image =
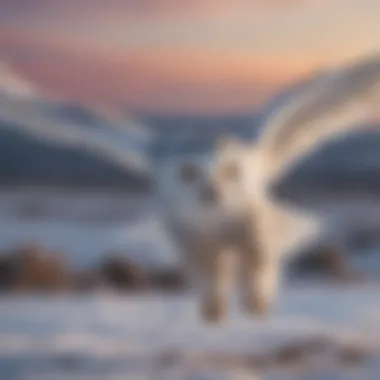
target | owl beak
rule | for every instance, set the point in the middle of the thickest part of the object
(209, 194)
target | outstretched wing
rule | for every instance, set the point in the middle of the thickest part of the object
(326, 107)
(127, 147)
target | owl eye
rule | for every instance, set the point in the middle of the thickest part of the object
(230, 172)
(188, 172)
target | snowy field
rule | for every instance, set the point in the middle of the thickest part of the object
(70, 205)
(318, 332)
(160, 337)
(85, 226)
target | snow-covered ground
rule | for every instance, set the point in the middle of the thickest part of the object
(70, 205)
(84, 245)
(108, 337)
(84, 226)
(160, 337)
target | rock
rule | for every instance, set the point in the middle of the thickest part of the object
(352, 355)
(170, 279)
(322, 260)
(122, 274)
(38, 270)
(301, 353)
(7, 271)
(290, 354)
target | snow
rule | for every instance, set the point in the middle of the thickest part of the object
(84, 244)
(84, 226)
(158, 336)
(113, 337)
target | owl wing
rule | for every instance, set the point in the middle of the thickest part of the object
(325, 107)
(127, 147)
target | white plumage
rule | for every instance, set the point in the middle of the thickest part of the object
(328, 107)
(204, 211)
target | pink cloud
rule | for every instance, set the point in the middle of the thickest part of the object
(33, 8)
(168, 81)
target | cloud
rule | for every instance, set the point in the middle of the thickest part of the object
(283, 27)
(162, 80)
(19, 8)
(168, 54)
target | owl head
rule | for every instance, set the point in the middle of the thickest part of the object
(208, 182)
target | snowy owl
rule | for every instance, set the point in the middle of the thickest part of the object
(200, 195)
(224, 197)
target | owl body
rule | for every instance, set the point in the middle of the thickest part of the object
(205, 212)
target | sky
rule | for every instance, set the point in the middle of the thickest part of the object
(182, 56)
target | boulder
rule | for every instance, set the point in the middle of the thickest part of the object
(168, 279)
(325, 260)
(34, 269)
(122, 274)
